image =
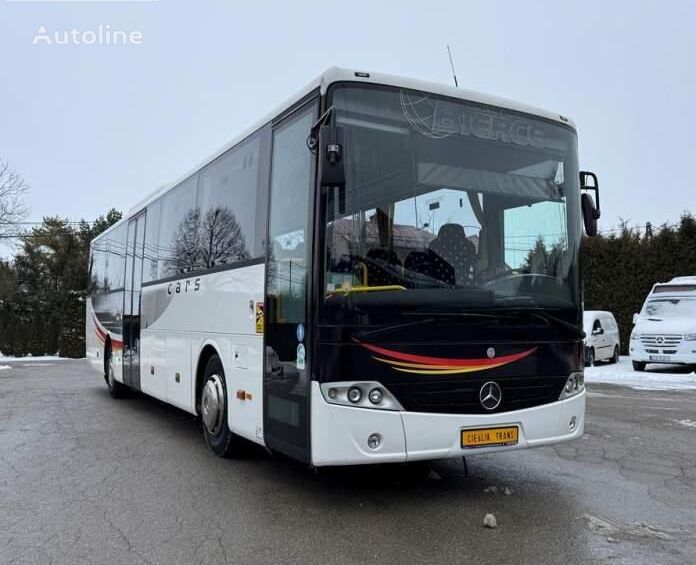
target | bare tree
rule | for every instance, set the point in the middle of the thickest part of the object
(203, 241)
(12, 191)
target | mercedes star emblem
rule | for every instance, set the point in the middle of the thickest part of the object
(490, 395)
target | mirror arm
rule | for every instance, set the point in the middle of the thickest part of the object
(313, 137)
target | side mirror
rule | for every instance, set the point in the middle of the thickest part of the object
(588, 215)
(590, 212)
(635, 319)
(331, 164)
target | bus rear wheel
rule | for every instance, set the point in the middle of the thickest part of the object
(218, 436)
(116, 389)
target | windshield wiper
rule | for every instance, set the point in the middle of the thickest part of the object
(454, 314)
(395, 327)
(550, 319)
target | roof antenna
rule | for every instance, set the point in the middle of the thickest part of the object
(449, 53)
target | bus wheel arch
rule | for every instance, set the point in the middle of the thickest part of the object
(207, 353)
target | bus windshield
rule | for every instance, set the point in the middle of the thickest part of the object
(449, 205)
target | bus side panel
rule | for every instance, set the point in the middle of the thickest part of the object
(219, 309)
(153, 355)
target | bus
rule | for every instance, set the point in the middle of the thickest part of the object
(381, 270)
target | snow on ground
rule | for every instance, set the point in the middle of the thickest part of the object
(4, 367)
(687, 423)
(30, 359)
(655, 377)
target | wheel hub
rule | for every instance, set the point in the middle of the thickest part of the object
(213, 404)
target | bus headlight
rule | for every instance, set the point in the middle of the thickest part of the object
(363, 394)
(574, 385)
(635, 336)
(354, 394)
(689, 337)
(375, 395)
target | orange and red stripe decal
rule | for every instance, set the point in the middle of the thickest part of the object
(423, 364)
(102, 334)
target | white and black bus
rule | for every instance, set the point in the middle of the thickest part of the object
(382, 270)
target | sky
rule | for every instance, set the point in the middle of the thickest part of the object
(95, 126)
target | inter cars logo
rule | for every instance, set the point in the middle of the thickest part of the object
(425, 365)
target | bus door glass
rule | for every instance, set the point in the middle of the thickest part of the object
(286, 380)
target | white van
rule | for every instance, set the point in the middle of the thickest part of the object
(602, 341)
(665, 329)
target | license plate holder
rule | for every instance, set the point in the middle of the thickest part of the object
(475, 438)
(659, 358)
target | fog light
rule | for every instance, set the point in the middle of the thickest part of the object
(375, 396)
(374, 441)
(573, 422)
(354, 394)
(333, 393)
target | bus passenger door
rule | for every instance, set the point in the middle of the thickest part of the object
(131, 307)
(286, 372)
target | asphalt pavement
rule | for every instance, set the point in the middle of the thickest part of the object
(88, 479)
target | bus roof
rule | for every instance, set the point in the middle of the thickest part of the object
(336, 74)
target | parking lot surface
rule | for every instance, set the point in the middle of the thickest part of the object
(88, 479)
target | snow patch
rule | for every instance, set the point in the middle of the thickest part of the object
(687, 423)
(4, 367)
(664, 377)
(29, 358)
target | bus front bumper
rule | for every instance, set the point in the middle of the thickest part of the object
(340, 433)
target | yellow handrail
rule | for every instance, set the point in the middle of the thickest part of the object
(351, 289)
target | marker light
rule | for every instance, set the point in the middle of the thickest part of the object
(354, 394)
(375, 396)
(333, 393)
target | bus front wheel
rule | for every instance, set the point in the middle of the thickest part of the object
(218, 436)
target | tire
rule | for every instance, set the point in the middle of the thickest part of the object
(639, 365)
(590, 357)
(221, 441)
(615, 357)
(116, 389)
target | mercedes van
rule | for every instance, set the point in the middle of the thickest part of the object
(665, 329)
